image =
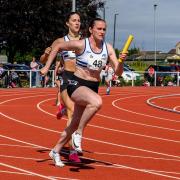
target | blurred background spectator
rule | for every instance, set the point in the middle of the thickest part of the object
(34, 67)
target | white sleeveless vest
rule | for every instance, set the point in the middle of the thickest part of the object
(92, 60)
(67, 55)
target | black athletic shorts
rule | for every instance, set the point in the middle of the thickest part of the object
(66, 76)
(76, 82)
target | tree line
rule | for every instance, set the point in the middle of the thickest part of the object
(27, 27)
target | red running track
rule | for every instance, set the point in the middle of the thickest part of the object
(127, 139)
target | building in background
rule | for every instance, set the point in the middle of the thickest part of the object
(171, 57)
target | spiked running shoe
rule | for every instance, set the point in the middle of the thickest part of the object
(56, 158)
(61, 111)
(73, 157)
(76, 142)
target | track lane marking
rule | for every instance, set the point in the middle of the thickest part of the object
(116, 165)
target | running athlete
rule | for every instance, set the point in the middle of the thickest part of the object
(108, 78)
(58, 78)
(92, 55)
(69, 57)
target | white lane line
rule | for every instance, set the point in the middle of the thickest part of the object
(134, 148)
(15, 145)
(91, 139)
(26, 171)
(100, 153)
(123, 146)
(161, 107)
(22, 98)
(13, 172)
(19, 173)
(159, 127)
(23, 142)
(175, 108)
(142, 114)
(154, 172)
(95, 140)
(127, 147)
(109, 166)
(166, 172)
(30, 173)
(112, 165)
(109, 129)
(33, 145)
(26, 93)
(135, 134)
(141, 124)
(28, 124)
(139, 157)
(39, 108)
(150, 171)
(19, 157)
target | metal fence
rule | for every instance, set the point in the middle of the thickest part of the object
(33, 79)
(26, 78)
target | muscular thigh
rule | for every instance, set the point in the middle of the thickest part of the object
(83, 96)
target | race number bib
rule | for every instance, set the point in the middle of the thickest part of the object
(95, 63)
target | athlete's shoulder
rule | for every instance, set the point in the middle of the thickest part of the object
(58, 40)
(78, 43)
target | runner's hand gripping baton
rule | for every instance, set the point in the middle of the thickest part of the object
(126, 45)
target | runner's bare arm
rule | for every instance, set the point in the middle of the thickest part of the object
(44, 57)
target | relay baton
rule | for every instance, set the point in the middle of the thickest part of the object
(126, 45)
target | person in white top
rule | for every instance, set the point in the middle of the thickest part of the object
(108, 78)
(92, 55)
(2, 70)
(68, 59)
(58, 71)
(34, 67)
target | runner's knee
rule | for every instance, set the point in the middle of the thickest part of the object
(97, 103)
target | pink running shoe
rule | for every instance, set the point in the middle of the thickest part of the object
(73, 157)
(61, 111)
